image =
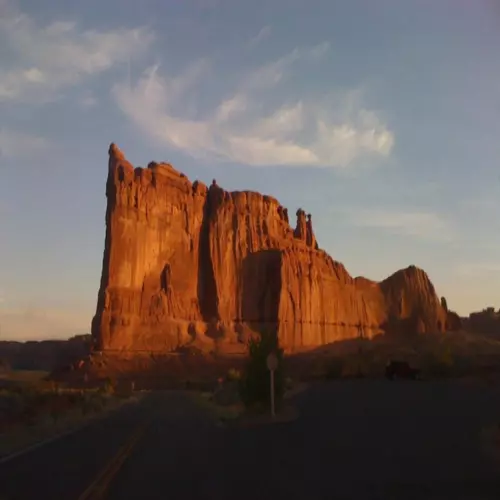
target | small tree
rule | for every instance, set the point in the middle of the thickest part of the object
(233, 375)
(109, 386)
(254, 384)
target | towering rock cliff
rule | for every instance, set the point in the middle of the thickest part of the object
(183, 261)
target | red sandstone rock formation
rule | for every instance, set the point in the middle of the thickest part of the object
(184, 262)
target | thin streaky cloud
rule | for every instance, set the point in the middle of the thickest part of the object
(231, 107)
(320, 50)
(415, 224)
(15, 144)
(58, 55)
(87, 102)
(295, 133)
(476, 269)
(263, 33)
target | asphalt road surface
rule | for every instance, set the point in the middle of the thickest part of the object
(353, 439)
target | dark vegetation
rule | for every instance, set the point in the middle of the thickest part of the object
(447, 355)
(28, 398)
(254, 384)
(401, 369)
(43, 355)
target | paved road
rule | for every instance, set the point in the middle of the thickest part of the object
(64, 468)
(358, 439)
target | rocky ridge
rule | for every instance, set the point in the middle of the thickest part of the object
(186, 263)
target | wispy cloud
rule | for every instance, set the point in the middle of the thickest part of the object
(45, 59)
(263, 33)
(15, 144)
(230, 108)
(320, 50)
(87, 102)
(274, 72)
(477, 269)
(306, 132)
(420, 225)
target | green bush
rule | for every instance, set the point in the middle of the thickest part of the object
(254, 384)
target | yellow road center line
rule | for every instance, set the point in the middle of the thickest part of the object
(98, 487)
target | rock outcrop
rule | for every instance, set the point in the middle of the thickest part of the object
(485, 322)
(183, 262)
(43, 355)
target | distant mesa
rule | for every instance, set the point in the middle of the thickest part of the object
(183, 263)
(485, 322)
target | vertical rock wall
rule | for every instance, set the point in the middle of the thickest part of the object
(182, 262)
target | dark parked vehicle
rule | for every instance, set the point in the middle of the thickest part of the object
(401, 369)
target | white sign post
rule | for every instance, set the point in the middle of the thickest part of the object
(272, 365)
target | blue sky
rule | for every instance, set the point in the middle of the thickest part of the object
(381, 118)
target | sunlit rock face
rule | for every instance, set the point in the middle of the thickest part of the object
(184, 261)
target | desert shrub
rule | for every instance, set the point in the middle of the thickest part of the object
(109, 386)
(446, 357)
(333, 368)
(316, 369)
(27, 413)
(58, 405)
(352, 367)
(4, 366)
(86, 405)
(439, 364)
(436, 369)
(233, 375)
(228, 394)
(74, 399)
(96, 403)
(254, 385)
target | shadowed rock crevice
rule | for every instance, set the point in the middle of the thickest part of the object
(262, 286)
(207, 290)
